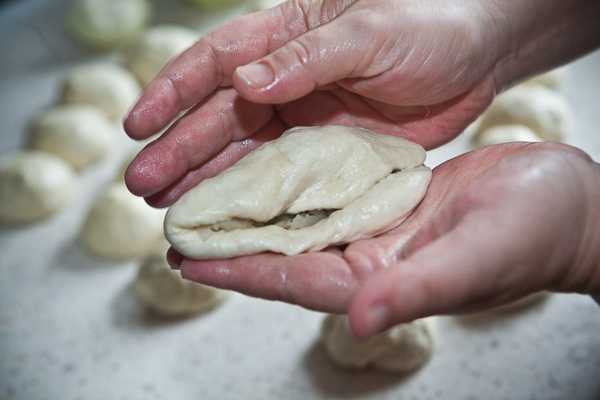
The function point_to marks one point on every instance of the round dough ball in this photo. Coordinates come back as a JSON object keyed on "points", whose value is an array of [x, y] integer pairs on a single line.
{"points": [[108, 23], [106, 86], [402, 349], [121, 226], [552, 79], [542, 110], [504, 134], [166, 293], [155, 48], [79, 134], [33, 185]]}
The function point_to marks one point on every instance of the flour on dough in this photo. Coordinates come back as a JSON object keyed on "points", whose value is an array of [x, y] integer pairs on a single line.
{"points": [[311, 188], [402, 349]]}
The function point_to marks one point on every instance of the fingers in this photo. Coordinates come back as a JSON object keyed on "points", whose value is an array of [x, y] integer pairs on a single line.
{"points": [[459, 269], [226, 158], [210, 63], [202, 133], [320, 281]]}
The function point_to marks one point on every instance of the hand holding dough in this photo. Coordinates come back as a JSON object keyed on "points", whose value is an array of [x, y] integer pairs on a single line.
{"points": [[121, 226], [79, 134], [402, 349], [106, 86], [33, 185], [165, 292], [309, 189]]}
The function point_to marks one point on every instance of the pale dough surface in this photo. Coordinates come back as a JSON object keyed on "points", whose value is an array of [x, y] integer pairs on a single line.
{"points": [[121, 226], [155, 48], [33, 185], [311, 188], [402, 349], [166, 293], [554, 79], [544, 111], [107, 86], [79, 134], [108, 23], [504, 134]]}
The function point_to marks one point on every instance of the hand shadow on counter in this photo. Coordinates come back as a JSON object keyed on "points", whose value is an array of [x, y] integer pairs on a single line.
{"points": [[334, 381]]}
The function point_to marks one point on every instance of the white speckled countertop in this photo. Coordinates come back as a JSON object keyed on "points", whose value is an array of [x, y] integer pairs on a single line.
{"points": [[70, 328]]}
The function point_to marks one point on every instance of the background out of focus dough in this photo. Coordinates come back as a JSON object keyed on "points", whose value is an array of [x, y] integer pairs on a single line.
{"points": [[166, 293], [155, 48], [33, 185], [107, 23], [402, 349], [121, 226], [106, 86], [79, 134], [504, 134]]}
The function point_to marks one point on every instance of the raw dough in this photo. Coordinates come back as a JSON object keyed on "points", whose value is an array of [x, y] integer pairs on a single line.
{"points": [[108, 23], [121, 226], [311, 188], [542, 110], [109, 87], [33, 185], [552, 79], [166, 293], [504, 134], [79, 134], [155, 48], [402, 349]]}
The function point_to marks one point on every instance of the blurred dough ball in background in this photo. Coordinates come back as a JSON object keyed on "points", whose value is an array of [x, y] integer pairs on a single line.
{"points": [[543, 111], [155, 48], [106, 24], [553, 80], [121, 226], [402, 349], [107, 86], [504, 134], [33, 185], [79, 134], [167, 294]]}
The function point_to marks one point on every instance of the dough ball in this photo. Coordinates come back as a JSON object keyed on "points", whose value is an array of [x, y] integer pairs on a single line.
{"points": [[106, 86], [504, 134], [542, 110], [402, 349], [164, 291], [33, 185], [121, 226], [155, 48], [266, 4], [79, 134], [553, 80], [108, 23]]}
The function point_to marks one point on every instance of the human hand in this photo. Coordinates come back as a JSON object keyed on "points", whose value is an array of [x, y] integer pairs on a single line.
{"points": [[417, 69], [496, 225]]}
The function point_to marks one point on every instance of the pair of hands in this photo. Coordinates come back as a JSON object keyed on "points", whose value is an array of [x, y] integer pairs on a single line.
{"points": [[496, 224]]}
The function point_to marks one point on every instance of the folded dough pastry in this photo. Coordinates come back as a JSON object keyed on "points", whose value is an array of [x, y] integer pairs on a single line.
{"points": [[311, 188]]}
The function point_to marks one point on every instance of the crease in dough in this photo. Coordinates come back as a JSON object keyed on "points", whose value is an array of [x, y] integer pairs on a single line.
{"points": [[311, 188]]}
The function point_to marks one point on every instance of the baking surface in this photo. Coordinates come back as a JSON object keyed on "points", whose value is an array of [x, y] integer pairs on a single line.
{"points": [[70, 327]]}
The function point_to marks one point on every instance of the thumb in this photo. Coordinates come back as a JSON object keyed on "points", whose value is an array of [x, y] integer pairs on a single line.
{"points": [[317, 58], [461, 270]]}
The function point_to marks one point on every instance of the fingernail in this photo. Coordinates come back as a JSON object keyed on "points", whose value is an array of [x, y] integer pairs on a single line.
{"points": [[256, 75], [377, 319]]}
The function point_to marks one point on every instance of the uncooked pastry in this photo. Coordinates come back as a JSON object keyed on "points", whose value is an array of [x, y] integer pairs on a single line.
{"points": [[402, 349], [552, 79], [121, 226], [33, 185], [79, 134], [108, 87], [155, 48], [542, 110], [166, 293], [504, 134], [108, 23], [311, 188]]}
